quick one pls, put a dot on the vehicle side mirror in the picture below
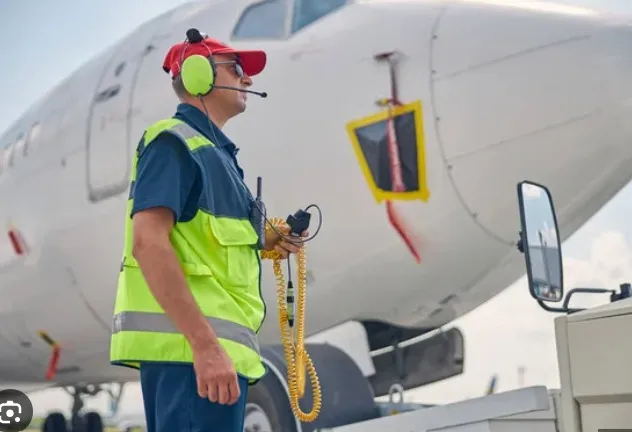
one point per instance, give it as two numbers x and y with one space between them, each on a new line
540 243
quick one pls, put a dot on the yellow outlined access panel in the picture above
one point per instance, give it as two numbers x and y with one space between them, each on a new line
370 144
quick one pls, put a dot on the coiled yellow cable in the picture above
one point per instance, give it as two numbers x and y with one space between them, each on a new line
296 356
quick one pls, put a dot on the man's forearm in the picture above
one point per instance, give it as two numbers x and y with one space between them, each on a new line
166 281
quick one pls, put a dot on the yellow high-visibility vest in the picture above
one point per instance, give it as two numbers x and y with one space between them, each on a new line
218 254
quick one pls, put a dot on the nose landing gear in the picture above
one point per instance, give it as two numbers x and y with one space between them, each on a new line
87 422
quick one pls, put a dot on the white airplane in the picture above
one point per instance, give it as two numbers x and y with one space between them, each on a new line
491 93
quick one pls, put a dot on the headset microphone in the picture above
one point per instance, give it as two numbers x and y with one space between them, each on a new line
198 72
262 94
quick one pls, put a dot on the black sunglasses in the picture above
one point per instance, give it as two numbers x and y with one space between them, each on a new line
239 70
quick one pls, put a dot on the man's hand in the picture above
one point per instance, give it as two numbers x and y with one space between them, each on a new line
215 374
282 246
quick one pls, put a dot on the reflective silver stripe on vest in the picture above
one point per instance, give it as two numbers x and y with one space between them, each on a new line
185 131
160 323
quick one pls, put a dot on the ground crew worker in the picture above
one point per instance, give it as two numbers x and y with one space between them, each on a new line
188 305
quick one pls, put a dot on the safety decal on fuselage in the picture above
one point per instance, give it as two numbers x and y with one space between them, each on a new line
370 139
390 149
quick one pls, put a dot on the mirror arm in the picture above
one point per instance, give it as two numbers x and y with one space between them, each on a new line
585 290
557 310
614 296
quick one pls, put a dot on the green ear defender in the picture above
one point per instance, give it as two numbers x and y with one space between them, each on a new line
198 75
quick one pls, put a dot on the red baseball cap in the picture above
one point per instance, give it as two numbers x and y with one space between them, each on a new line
252 61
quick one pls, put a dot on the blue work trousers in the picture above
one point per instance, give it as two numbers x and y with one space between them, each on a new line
172 403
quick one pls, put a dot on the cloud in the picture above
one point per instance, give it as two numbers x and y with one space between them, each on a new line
511 331
608 265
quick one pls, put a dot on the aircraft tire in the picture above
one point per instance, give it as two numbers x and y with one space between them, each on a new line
92 422
347 396
54 422
267 408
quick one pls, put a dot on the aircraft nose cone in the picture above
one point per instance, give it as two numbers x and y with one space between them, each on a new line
532 94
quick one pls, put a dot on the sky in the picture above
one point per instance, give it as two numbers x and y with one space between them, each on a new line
43 45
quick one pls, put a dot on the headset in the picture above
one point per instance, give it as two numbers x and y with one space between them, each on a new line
198 72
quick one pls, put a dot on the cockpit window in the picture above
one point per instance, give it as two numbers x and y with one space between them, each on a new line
263 20
308 11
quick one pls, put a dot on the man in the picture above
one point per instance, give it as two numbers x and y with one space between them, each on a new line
188 304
